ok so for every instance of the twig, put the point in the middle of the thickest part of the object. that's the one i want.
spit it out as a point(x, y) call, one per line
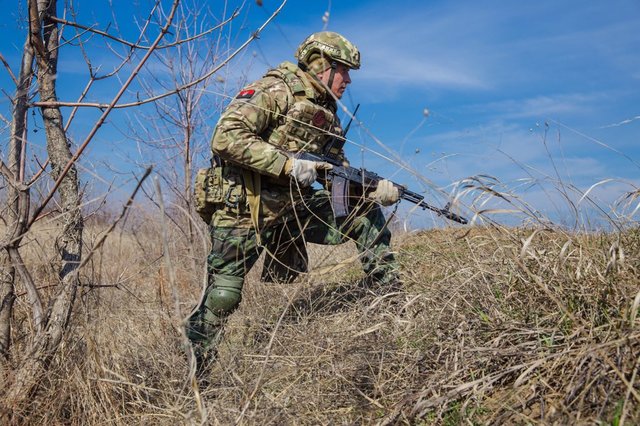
point(165, 248)
point(253, 36)
point(234, 15)
point(125, 209)
point(104, 115)
point(6, 65)
point(176, 301)
point(266, 357)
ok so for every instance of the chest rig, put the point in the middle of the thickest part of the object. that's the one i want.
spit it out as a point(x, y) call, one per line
point(307, 125)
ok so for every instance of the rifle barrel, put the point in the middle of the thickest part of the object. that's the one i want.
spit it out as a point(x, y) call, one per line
point(444, 212)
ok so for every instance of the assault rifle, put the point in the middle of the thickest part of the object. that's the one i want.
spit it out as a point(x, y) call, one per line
point(341, 176)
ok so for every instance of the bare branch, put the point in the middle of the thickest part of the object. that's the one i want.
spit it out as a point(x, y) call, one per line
point(125, 209)
point(6, 121)
point(234, 15)
point(32, 291)
point(253, 36)
point(106, 112)
point(82, 95)
point(6, 65)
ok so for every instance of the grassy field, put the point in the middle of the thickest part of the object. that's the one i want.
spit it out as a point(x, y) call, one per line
point(494, 326)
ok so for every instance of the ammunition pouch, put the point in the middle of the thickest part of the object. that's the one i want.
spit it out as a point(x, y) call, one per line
point(218, 187)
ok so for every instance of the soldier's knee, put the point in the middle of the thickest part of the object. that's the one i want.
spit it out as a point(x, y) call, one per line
point(226, 295)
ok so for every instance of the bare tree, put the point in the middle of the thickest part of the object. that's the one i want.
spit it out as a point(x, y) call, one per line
point(36, 87)
point(42, 47)
point(177, 129)
point(44, 37)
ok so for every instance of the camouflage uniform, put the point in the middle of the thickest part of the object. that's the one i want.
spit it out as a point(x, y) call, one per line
point(288, 110)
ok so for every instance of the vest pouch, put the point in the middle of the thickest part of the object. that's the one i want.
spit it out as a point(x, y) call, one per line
point(208, 192)
point(306, 128)
point(300, 124)
point(234, 194)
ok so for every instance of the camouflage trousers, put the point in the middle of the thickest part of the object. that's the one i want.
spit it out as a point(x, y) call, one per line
point(235, 250)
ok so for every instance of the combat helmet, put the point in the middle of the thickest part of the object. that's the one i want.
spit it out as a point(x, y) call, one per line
point(329, 45)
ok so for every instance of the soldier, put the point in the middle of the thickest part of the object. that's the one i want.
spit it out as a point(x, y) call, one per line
point(262, 195)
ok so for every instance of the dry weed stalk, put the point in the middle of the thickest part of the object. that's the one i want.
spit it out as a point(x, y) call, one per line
point(496, 324)
point(474, 337)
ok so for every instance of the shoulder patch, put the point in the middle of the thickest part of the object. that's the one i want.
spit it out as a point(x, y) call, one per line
point(246, 94)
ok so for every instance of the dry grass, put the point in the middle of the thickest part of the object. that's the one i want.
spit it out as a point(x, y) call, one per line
point(495, 326)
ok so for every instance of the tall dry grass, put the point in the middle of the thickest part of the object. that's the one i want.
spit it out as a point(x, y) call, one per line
point(495, 325)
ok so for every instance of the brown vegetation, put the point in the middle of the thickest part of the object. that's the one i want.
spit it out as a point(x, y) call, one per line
point(495, 325)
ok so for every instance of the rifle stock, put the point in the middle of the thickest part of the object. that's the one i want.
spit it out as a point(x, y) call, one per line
point(341, 175)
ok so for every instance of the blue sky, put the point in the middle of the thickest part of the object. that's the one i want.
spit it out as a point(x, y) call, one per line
point(543, 97)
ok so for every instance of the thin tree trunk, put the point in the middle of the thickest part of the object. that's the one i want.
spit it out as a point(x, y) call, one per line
point(44, 38)
point(69, 242)
point(187, 178)
point(17, 198)
point(7, 296)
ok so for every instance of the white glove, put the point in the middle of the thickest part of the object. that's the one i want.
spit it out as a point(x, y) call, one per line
point(305, 172)
point(386, 193)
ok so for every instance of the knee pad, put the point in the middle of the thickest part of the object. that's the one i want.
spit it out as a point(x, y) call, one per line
point(225, 296)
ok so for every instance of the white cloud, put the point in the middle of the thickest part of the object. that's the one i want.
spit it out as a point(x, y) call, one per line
point(495, 46)
point(510, 152)
point(422, 56)
point(623, 122)
point(391, 67)
point(541, 106)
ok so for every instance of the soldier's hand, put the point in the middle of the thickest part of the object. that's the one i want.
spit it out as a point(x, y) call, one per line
point(305, 172)
point(386, 193)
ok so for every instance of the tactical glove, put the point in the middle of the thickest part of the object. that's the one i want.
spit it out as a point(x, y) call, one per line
point(386, 193)
point(305, 172)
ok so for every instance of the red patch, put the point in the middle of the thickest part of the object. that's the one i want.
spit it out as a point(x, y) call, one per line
point(246, 94)
point(319, 119)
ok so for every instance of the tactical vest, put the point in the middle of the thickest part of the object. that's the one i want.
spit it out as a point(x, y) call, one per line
point(306, 126)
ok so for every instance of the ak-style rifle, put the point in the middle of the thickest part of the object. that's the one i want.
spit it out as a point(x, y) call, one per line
point(342, 176)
